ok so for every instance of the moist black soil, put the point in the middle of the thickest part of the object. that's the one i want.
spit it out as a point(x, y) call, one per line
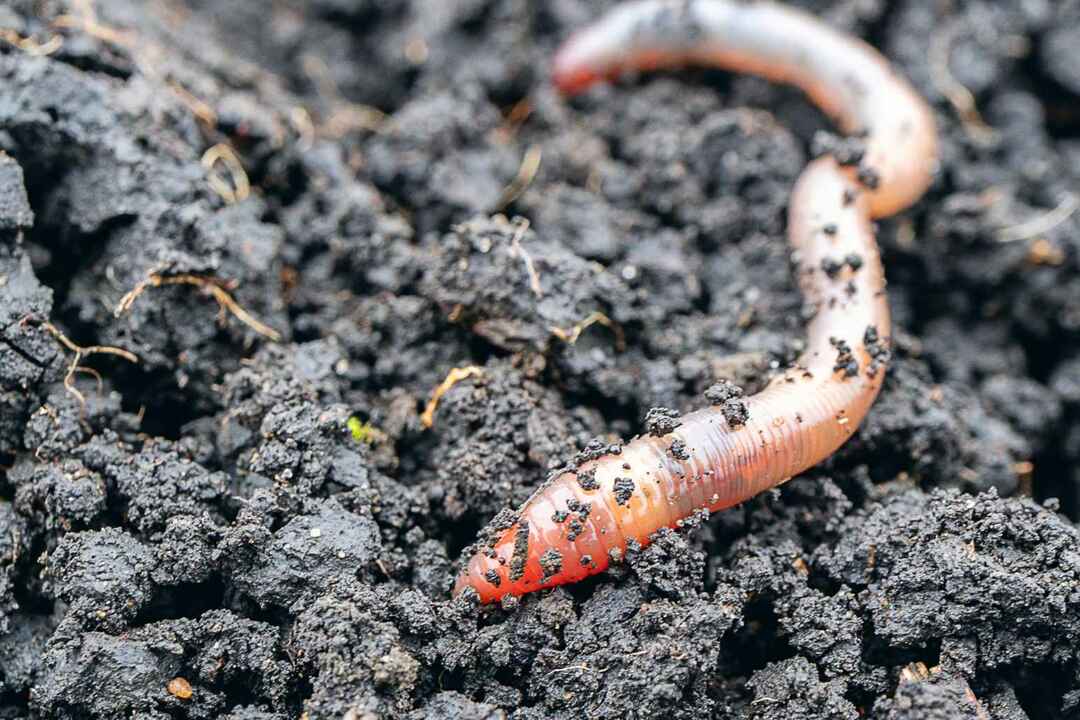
point(233, 525)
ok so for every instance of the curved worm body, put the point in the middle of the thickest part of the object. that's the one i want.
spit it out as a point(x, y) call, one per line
point(582, 518)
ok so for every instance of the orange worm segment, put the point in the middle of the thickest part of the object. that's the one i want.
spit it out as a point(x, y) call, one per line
point(582, 518)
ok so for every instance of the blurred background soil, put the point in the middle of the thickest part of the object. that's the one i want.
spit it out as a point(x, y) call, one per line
point(242, 243)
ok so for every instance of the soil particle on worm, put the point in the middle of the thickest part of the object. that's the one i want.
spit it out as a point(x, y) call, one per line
point(521, 550)
point(623, 489)
point(551, 563)
point(661, 421)
point(678, 450)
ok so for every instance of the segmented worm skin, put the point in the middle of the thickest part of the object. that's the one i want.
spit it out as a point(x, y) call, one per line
point(570, 527)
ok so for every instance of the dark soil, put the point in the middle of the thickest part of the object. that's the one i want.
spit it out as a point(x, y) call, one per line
point(242, 528)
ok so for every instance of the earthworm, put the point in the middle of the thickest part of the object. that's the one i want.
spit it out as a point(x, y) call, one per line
point(583, 517)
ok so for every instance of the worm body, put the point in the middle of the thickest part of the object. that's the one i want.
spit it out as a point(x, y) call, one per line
point(582, 518)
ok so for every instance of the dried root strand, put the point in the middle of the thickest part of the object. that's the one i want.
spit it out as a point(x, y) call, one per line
point(1042, 223)
point(85, 19)
point(515, 118)
point(530, 165)
point(151, 59)
point(958, 95)
point(530, 268)
point(571, 336)
point(348, 117)
point(146, 56)
point(211, 285)
point(917, 672)
point(201, 109)
point(345, 116)
point(231, 191)
point(456, 375)
point(79, 353)
point(29, 45)
point(301, 122)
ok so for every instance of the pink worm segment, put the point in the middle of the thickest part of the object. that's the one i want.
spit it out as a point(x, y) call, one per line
point(573, 524)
